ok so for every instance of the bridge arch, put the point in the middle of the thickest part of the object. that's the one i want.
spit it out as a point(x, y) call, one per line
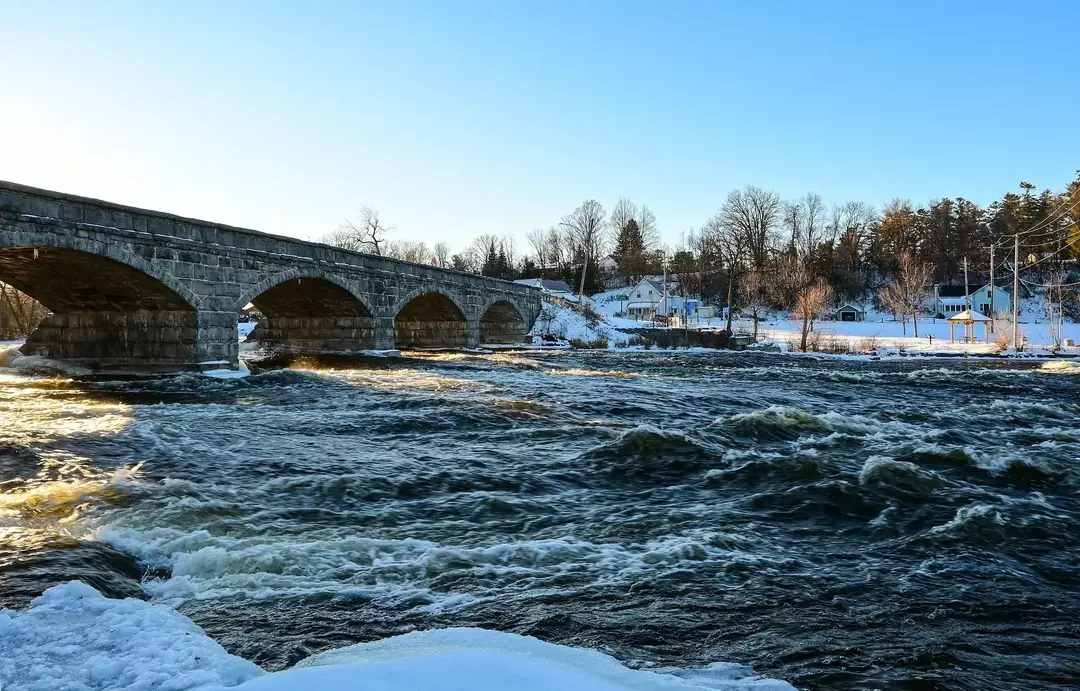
point(502, 322)
point(92, 248)
point(431, 318)
point(109, 308)
point(311, 312)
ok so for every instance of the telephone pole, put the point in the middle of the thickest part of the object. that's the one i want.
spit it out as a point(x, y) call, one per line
point(967, 289)
point(1016, 292)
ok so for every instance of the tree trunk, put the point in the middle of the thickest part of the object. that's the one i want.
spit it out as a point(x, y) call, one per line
point(805, 331)
point(730, 290)
point(915, 324)
point(755, 324)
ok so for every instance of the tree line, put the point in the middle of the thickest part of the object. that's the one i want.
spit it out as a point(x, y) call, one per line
point(761, 251)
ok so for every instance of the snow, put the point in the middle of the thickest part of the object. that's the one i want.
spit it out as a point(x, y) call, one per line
point(569, 323)
point(882, 332)
point(480, 660)
point(244, 329)
point(10, 356)
point(74, 639)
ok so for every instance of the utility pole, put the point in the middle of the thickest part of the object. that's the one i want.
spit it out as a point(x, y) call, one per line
point(967, 290)
point(1016, 292)
point(993, 288)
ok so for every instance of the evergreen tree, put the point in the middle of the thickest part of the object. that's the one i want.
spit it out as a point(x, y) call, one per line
point(629, 252)
point(491, 262)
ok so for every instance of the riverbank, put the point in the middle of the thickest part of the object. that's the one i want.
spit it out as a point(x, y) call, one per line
point(710, 495)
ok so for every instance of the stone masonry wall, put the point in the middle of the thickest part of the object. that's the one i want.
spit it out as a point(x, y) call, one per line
point(217, 269)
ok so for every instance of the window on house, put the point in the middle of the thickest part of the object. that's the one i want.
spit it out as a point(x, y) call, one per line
point(639, 293)
point(989, 294)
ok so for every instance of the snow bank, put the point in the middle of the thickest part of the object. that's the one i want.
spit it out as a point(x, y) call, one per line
point(480, 660)
point(567, 323)
point(74, 639)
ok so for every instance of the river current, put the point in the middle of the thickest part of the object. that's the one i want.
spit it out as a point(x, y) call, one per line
point(837, 524)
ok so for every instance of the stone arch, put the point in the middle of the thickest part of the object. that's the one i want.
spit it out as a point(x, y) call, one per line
point(429, 318)
point(110, 308)
point(109, 251)
point(281, 277)
point(310, 312)
point(502, 322)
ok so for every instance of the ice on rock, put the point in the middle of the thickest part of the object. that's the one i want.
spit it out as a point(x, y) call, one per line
point(74, 639)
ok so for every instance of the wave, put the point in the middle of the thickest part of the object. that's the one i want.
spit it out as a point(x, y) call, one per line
point(780, 423)
point(410, 572)
point(648, 454)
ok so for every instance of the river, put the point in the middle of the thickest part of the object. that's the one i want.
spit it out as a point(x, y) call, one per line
point(836, 524)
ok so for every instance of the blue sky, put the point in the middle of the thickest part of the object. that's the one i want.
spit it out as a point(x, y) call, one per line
point(462, 118)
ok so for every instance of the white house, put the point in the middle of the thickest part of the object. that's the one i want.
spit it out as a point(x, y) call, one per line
point(648, 299)
point(951, 300)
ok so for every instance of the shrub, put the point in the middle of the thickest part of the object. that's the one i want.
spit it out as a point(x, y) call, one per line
point(581, 344)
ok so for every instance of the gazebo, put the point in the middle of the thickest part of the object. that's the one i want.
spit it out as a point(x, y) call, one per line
point(969, 318)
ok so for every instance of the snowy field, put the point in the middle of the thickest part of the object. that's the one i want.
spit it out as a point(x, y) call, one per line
point(894, 336)
point(74, 639)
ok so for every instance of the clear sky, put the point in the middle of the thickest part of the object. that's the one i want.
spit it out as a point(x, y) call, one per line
point(462, 118)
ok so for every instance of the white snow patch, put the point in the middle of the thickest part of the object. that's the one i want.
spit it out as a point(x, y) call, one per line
point(480, 660)
point(569, 323)
point(74, 639)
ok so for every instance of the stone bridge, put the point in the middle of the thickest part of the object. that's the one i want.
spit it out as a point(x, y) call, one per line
point(136, 289)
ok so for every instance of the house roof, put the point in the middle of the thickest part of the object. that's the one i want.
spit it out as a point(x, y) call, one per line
point(545, 284)
point(959, 292)
point(849, 306)
point(969, 316)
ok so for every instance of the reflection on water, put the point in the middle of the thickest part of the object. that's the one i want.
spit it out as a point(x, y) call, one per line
point(841, 525)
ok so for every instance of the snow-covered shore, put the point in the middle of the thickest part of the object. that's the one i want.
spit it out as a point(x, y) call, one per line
point(74, 639)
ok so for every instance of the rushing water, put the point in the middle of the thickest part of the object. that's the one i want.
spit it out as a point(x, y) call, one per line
point(840, 525)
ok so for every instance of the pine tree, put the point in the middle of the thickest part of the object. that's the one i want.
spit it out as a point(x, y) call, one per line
point(629, 252)
point(491, 262)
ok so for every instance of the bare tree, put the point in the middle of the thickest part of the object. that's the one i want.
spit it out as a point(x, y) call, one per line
point(538, 243)
point(442, 253)
point(19, 313)
point(509, 248)
point(415, 251)
point(810, 304)
point(909, 289)
point(366, 234)
point(624, 212)
point(726, 242)
point(751, 214)
point(754, 289)
point(649, 230)
point(586, 224)
point(806, 225)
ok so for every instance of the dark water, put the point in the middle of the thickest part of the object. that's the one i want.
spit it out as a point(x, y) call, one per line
point(839, 525)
